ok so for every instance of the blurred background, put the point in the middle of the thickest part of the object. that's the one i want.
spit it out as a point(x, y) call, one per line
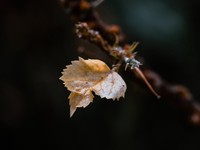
point(37, 41)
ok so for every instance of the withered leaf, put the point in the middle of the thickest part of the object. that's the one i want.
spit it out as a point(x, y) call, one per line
point(84, 76)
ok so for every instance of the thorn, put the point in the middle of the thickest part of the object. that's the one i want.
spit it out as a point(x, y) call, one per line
point(134, 54)
point(127, 64)
point(116, 40)
point(133, 46)
point(147, 82)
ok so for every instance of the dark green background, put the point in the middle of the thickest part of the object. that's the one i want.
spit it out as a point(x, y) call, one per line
point(37, 41)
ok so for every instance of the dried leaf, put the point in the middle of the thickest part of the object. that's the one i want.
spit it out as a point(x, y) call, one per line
point(85, 76)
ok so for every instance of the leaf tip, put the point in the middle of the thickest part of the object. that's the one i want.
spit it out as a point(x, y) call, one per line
point(80, 58)
point(61, 78)
point(72, 111)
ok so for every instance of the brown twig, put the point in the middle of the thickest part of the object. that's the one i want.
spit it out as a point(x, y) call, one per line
point(103, 35)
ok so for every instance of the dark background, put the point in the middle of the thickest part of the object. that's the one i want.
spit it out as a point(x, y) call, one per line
point(37, 40)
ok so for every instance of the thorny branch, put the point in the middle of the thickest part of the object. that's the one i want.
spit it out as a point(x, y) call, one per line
point(119, 53)
point(104, 36)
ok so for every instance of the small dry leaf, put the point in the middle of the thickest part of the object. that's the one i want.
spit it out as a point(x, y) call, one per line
point(85, 76)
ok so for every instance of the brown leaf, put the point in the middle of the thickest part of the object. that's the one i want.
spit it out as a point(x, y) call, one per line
point(85, 76)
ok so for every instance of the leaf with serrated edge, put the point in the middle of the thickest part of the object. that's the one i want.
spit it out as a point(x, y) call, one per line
point(84, 76)
point(111, 87)
point(79, 100)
